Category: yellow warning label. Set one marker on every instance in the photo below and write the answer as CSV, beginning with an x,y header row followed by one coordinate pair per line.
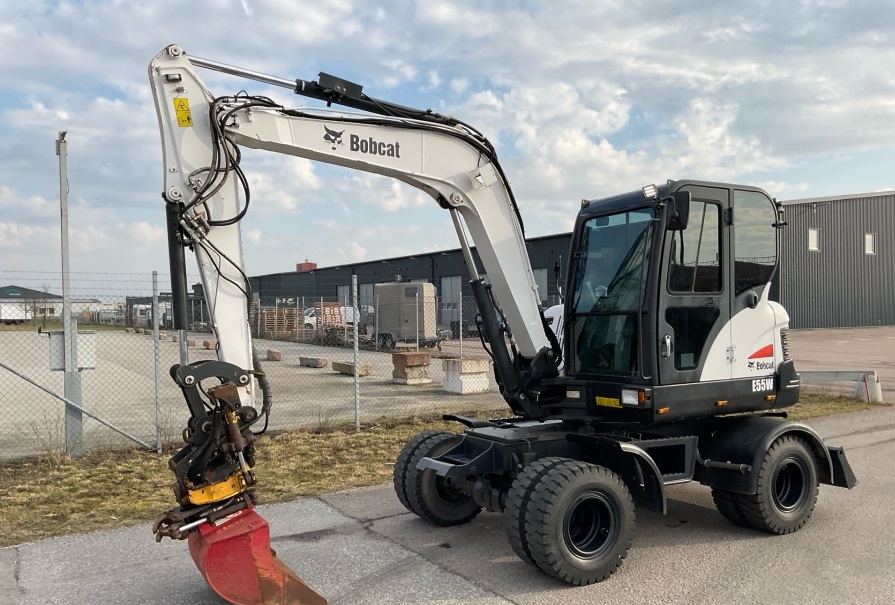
x,y
182,110
609,402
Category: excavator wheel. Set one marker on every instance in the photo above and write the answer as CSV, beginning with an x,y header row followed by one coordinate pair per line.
x,y
236,560
787,490
424,493
517,511
579,522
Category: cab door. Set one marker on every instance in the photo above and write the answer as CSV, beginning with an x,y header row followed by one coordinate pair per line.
x,y
694,335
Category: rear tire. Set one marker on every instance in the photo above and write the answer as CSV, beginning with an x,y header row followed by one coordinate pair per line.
x,y
580,522
787,490
425,493
402,466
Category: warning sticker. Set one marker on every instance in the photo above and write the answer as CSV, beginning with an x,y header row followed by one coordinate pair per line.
x,y
182,110
609,402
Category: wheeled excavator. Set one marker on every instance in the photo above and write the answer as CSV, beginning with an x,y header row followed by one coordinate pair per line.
x,y
668,362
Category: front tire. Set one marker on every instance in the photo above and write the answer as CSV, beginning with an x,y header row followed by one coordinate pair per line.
x,y
580,522
423,492
787,490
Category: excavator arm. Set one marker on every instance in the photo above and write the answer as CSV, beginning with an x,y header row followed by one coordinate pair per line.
x,y
206,196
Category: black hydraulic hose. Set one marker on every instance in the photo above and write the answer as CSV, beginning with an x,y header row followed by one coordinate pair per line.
x,y
503,365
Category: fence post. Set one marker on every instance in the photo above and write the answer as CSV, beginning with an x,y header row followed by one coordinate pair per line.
x,y
376,328
356,370
74,421
155,343
417,319
461,324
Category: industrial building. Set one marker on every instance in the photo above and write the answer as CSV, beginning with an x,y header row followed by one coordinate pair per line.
x,y
837,268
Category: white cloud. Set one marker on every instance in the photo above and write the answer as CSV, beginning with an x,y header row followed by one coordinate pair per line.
x,y
586,101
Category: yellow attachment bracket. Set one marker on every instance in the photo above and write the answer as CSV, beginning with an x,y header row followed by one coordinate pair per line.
x,y
231,486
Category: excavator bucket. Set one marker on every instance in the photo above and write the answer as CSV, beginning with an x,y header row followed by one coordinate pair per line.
x,y
237,562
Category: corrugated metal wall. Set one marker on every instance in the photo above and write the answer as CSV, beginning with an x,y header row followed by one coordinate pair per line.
x,y
839,285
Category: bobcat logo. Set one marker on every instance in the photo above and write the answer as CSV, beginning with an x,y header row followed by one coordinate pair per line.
x,y
751,365
333,137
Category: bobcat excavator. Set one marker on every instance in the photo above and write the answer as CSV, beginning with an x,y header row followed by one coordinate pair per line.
x,y
669,362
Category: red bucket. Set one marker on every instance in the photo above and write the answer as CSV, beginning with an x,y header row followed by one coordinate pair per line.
x,y
236,560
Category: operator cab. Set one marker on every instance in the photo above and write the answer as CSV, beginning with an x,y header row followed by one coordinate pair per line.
x,y
668,315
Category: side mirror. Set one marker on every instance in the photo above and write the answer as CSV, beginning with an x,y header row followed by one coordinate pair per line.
x,y
678,210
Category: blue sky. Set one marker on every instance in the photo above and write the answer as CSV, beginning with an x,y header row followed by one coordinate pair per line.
x,y
581,98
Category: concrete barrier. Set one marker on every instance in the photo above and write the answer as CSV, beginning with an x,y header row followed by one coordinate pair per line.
x,y
863,384
347,367
209,344
274,355
466,376
313,362
191,342
411,368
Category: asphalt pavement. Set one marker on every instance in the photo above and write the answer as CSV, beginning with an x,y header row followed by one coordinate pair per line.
x,y
361,547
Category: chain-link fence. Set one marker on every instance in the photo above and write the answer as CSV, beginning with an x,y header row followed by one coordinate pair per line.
x,y
330,361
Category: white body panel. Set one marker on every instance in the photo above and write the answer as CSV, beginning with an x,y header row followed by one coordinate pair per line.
x,y
752,333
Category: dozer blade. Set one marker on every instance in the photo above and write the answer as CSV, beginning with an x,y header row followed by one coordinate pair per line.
x,y
236,560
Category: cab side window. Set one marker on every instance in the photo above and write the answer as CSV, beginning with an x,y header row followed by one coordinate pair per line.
x,y
754,240
696,251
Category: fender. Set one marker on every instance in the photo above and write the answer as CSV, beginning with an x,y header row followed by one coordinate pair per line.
x,y
746,441
646,486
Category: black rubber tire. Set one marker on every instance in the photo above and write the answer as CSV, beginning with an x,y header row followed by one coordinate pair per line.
x,y
386,342
402,466
787,489
427,494
518,500
729,507
580,522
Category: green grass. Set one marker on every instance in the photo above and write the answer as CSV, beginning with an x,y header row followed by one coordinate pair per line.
x,y
58,495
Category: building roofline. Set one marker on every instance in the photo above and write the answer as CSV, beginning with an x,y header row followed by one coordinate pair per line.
x,y
397,258
836,198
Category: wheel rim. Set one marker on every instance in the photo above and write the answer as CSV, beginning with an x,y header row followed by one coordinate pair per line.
x,y
445,491
790,484
591,525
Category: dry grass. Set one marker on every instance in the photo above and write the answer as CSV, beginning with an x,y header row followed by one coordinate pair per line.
x,y
59,495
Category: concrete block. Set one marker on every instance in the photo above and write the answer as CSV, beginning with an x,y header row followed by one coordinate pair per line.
x,y
139,330
412,375
466,384
162,336
209,344
129,330
175,337
191,342
466,366
313,362
466,376
347,367
274,355
410,359
411,367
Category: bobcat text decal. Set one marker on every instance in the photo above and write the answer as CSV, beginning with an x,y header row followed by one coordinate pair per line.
x,y
762,359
